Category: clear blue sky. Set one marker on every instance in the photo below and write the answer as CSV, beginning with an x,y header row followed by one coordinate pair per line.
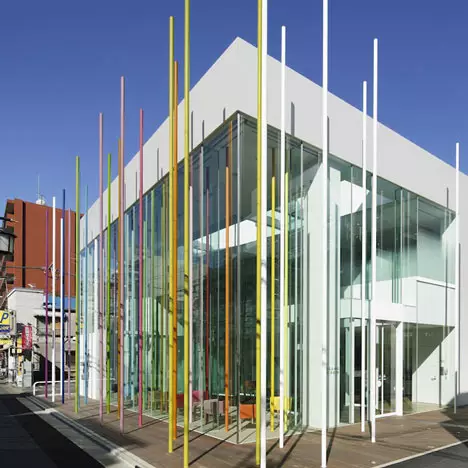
x,y
61,61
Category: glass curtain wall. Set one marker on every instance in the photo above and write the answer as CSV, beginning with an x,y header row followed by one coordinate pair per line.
x,y
414,289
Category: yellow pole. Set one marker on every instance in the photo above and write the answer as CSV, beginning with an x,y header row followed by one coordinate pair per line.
x,y
171,253
258,414
186,230
272,303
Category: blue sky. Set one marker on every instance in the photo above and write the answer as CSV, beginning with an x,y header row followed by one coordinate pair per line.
x,y
61,62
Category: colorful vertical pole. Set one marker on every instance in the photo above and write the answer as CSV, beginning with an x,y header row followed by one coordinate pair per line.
x,y
457,276
259,235
227,287
108,295
62,299
46,303
144,331
186,231
121,253
262,218
69,302
85,305
163,323
118,268
324,376
54,283
285,324
373,338
175,230
283,234
77,288
140,282
154,308
207,301
364,257
101,271
171,228
272,299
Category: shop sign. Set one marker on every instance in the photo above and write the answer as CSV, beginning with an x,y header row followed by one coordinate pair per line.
x,y
27,337
4,322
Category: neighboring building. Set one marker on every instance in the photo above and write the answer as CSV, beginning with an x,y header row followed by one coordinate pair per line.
x,y
23,277
27,308
26,268
413,301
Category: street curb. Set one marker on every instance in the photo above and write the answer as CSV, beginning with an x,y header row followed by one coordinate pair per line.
x,y
114,449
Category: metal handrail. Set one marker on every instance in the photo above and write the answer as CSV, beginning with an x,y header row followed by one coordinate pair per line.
x,y
43,382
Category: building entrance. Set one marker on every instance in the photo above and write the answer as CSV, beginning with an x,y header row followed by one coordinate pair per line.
x,y
386,368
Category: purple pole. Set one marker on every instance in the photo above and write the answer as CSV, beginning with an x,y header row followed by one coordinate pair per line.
x,y
140,283
101,272
69,302
47,304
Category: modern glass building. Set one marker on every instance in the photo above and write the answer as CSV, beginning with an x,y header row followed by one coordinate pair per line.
x,y
413,300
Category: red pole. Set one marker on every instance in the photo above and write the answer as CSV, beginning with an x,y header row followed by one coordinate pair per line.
x,y
47,303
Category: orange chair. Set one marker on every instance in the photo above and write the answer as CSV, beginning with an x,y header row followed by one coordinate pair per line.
x,y
247,411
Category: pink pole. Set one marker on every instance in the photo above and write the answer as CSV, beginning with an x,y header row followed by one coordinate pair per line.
x,y
69,302
47,303
121,253
140,282
101,271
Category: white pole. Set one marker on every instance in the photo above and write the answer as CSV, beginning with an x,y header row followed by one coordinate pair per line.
x,y
324,230
282,233
457,273
372,380
364,256
54,247
61,303
263,220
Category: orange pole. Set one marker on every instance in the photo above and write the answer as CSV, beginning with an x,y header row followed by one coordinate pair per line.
x,y
174,246
228,280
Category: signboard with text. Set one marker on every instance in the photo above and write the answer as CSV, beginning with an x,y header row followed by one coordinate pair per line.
x,y
27,337
4,322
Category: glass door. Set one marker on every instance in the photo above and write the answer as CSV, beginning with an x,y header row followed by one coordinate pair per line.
x,y
385,368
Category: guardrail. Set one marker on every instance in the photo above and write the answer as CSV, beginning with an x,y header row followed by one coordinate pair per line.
x,y
49,384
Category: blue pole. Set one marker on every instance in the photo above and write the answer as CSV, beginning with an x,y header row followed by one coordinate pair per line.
x,y
85,305
62,295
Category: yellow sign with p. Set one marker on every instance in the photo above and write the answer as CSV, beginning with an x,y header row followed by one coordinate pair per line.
x,y
4,322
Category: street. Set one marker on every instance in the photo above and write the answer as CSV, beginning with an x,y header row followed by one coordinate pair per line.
x,y
26,440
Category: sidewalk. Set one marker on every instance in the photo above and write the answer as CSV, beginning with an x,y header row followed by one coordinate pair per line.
x,y
397,438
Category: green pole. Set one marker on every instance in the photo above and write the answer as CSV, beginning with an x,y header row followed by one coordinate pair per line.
x,y
77,287
108,314
153,299
145,300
